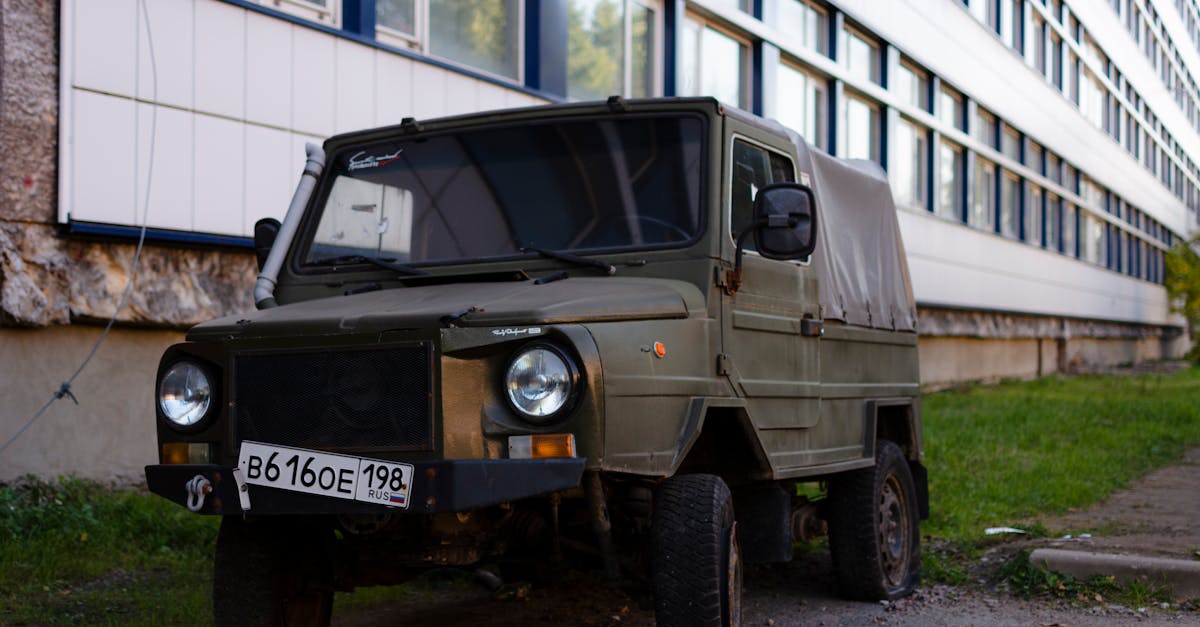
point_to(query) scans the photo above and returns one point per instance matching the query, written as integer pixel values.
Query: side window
(753, 169)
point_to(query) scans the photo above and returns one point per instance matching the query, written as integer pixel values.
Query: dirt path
(1158, 516)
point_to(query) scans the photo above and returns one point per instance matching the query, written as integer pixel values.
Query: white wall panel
(103, 157)
(952, 264)
(268, 70)
(394, 88)
(429, 91)
(313, 69)
(220, 80)
(355, 92)
(461, 94)
(171, 24)
(171, 186)
(220, 170)
(243, 91)
(491, 96)
(105, 46)
(270, 178)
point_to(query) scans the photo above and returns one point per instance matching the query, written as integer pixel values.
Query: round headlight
(184, 394)
(540, 382)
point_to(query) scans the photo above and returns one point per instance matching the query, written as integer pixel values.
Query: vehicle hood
(587, 299)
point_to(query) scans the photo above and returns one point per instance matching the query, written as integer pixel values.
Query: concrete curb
(1182, 577)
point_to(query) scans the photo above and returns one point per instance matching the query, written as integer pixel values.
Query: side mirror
(785, 221)
(785, 227)
(265, 232)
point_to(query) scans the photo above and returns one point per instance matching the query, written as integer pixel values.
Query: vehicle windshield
(584, 185)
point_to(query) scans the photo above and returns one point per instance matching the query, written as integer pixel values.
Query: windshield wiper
(388, 263)
(578, 260)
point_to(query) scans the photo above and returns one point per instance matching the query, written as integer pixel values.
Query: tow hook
(198, 489)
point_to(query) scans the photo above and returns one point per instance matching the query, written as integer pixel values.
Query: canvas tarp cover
(859, 257)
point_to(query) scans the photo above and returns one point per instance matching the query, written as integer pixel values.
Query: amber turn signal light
(543, 446)
(186, 453)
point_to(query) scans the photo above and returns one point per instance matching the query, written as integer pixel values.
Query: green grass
(1012, 454)
(77, 552)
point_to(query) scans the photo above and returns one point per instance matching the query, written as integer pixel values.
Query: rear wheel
(266, 573)
(694, 551)
(874, 528)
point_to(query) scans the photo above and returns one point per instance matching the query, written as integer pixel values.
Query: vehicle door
(767, 355)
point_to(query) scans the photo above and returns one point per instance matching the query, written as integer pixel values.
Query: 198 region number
(326, 474)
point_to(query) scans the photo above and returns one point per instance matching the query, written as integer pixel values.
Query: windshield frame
(317, 204)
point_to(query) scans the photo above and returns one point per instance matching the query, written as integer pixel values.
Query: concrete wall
(109, 435)
(959, 346)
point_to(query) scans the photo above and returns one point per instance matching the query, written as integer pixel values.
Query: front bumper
(441, 486)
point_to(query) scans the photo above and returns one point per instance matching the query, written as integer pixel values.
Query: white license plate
(326, 474)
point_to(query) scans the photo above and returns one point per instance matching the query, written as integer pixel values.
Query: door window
(754, 168)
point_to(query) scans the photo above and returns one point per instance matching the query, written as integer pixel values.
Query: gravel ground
(782, 595)
(1157, 515)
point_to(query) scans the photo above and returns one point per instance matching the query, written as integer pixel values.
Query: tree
(1183, 285)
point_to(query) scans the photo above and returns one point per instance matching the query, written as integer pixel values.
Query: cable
(64, 390)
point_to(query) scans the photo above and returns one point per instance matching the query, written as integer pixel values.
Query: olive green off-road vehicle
(623, 333)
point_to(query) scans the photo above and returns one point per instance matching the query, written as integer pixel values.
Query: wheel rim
(733, 579)
(894, 544)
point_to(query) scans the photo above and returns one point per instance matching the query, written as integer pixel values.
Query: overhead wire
(64, 390)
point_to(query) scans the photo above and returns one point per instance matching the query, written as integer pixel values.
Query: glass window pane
(721, 61)
(484, 34)
(911, 86)
(1010, 144)
(397, 15)
(1033, 157)
(985, 127)
(950, 182)
(641, 55)
(753, 169)
(861, 57)
(800, 19)
(1053, 221)
(950, 108)
(1033, 216)
(689, 84)
(862, 129)
(908, 172)
(1010, 206)
(595, 49)
(1068, 229)
(800, 103)
(984, 206)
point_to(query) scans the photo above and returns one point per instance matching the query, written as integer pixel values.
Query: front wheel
(874, 528)
(694, 551)
(270, 573)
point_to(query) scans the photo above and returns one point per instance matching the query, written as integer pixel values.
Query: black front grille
(375, 398)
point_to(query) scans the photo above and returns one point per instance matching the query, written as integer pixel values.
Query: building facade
(1042, 155)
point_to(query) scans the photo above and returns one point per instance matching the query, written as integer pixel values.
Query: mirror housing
(785, 221)
(265, 232)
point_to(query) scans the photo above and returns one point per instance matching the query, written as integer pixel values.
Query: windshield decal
(361, 160)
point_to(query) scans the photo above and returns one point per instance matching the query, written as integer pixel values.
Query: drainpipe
(264, 289)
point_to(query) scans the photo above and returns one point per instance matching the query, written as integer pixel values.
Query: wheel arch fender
(898, 420)
(718, 438)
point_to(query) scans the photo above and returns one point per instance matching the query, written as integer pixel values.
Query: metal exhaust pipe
(264, 288)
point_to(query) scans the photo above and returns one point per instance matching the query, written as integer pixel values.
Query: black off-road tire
(697, 568)
(874, 528)
(265, 573)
